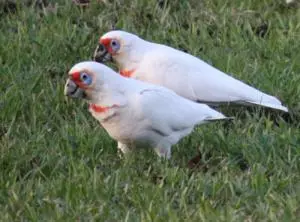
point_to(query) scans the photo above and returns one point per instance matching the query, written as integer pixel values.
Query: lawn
(58, 164)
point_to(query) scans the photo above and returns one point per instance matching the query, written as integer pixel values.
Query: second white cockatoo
(185, 74)
(135, 113)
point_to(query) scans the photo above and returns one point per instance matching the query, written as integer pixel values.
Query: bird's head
(116, 46)
(86, 79)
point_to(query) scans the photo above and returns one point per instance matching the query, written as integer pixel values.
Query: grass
(58, 164)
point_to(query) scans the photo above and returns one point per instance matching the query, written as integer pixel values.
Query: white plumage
(136, 113)
(185, 74)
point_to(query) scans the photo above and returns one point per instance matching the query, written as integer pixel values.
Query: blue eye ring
(85, 78)
(115, 45)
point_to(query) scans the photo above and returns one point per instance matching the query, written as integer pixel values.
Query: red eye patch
(106, 43)
(76, 78)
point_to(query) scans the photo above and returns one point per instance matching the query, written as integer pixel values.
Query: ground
(58, 164)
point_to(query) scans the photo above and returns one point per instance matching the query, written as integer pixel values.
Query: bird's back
(196, 80)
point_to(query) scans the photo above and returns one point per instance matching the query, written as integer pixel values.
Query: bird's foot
(197, 163)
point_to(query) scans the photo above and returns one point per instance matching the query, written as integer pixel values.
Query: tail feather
(212, 119)
(271, 102)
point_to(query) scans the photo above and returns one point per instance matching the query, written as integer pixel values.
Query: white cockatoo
(185, 74)
(136, 113)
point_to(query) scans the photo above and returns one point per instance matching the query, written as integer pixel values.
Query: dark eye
(87, 79)
(115, 45)
(84, 76)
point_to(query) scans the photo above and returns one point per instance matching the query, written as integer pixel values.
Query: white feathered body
(189, 76)
(136, 113)
(149, 114)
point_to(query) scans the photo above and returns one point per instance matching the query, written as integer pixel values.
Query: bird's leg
(197, 162)
(123, 148)
(163, 150)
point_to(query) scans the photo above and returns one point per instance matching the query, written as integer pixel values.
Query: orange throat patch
(101, 109)
(127, 73)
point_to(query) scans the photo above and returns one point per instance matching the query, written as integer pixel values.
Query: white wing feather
(194, 79)
(169, 112)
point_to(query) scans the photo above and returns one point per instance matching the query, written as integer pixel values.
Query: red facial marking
(106, 43)
(127, 73)
(102, 109)
(76, 78)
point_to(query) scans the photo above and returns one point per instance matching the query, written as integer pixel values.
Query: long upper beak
(72, 90)
(101, 54)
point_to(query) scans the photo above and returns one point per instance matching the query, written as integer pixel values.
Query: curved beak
(74, 91)
(101, 54)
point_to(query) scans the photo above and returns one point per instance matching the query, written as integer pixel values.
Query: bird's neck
(127, 63)
(131, 60)
(109, 92)
(101, 109)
